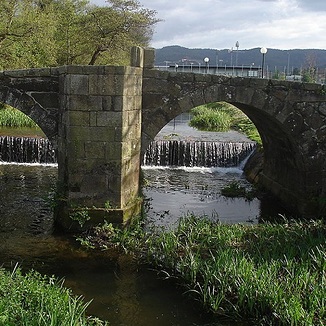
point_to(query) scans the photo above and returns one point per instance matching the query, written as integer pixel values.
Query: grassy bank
(221, 117)
(37, 300)
(15, 123)
(13, 118)
(271, 273)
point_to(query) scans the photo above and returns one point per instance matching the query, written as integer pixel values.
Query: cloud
(313, 5)
(282, 24)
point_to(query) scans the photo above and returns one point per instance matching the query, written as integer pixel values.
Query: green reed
(210, 119)
(36, 300)
(273, 273)
(222, 116)
(11, 117)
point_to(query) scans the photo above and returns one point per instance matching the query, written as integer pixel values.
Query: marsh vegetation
(222, 116)
(273, 274)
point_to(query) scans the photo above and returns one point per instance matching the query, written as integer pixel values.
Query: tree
(116, 28)
(70, 35)
(309, 72)
(38, 33)
(13, 29)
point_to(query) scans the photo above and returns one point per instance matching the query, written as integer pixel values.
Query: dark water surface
(122, 292)
(178, 191)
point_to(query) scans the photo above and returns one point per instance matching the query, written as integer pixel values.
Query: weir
(197, 153)
(26, 150)
(159, 153)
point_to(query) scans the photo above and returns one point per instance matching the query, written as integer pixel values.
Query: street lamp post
(216, 62)
(236, 54)
(263, 51)
(176, 67)
(250, 69)
(231, 53)
(206, 60)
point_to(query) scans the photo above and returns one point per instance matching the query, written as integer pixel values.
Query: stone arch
(30, 104)
(269, 113)
(273, 106)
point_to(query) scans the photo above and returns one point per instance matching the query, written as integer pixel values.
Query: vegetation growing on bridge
(273, 273)
(221, 117)
(15, 123)
(37, 33)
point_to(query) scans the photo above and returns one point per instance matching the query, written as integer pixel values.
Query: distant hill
(274, 59)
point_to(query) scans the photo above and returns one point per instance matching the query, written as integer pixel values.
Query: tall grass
(13, 118)
(221, 117)
(245, 125)
(272, 273)
(211, 117)
(36, 300)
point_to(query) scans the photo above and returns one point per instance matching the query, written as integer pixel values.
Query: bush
(211, 118)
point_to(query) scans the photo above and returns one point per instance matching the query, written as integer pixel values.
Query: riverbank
(273, 274)
(33, 299)
(22, 132)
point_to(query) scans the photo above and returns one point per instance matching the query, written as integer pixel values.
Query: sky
(220, 24)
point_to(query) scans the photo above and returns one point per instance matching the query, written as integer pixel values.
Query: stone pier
(99, 143)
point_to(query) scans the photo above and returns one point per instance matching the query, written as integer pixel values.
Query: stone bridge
(101, 119)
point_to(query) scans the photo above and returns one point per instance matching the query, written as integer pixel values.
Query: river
(122, 292)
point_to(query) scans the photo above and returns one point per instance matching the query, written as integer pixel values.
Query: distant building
(294, 78)
(236, 71)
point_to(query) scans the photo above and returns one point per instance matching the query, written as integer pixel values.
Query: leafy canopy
(40, 33)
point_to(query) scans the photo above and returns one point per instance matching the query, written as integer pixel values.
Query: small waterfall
(197, 153)
(26, 150)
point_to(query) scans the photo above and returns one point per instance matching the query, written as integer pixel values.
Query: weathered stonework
(290, 117)
(93, 114)
(36, 93)
(100, 119)
(100, 152)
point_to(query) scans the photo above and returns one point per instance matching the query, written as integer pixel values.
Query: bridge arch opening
(204, 137)
(40, 108)
(277, 140)
(233, 118)
(283, 164)
(173, 191)
(28, 189)
(22, 140)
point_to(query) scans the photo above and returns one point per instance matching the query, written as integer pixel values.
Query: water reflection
(121, 292)
(173, 193)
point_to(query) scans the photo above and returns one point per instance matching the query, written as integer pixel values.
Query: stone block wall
(99, 140)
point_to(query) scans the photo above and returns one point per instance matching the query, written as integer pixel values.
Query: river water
(122, 292)
(176, 191)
